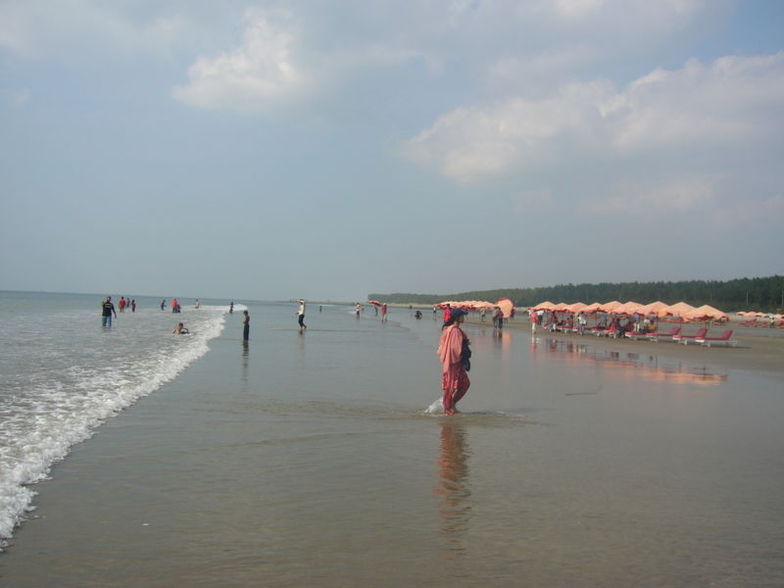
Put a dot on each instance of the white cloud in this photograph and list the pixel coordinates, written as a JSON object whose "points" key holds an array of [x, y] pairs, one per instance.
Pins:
{"points": [[77, 30], [730, 100], [469, 143], [277, 62], [707, 113], [261, 70]]}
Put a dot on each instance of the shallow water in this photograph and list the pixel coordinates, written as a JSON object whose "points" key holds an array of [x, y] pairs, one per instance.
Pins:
{"points": [[310, 459]]}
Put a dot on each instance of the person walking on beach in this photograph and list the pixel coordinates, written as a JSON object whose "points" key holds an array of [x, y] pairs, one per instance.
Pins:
{"points": [[455, 354], [498, 319], [384, 312], [107, 311], [245, 325], [301, 315]]}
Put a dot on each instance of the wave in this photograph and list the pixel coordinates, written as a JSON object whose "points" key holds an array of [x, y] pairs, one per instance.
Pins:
{"points": [[44, 411]]}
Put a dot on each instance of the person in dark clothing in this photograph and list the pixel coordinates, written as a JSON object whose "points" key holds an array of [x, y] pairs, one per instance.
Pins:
{"points": [[245, 325], [107, 311]]}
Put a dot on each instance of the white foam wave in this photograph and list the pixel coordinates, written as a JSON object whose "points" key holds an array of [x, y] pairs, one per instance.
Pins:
{"points": [[48, 411], [437, 407]]}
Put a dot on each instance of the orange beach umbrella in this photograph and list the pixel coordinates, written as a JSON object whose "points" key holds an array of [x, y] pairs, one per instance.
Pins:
{"points": [[704, 312], [506, 306], [680, 309]]}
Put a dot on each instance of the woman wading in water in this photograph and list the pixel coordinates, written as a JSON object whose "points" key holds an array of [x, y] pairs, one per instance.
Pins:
{"points": [[455, 353]]}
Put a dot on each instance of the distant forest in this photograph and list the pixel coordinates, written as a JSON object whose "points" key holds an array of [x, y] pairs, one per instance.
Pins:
{"points": [[759, 294]]}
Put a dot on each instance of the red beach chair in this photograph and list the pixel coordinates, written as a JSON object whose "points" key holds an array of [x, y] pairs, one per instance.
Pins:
{"points": [[724, 339], [667, 335], [700, 334]]}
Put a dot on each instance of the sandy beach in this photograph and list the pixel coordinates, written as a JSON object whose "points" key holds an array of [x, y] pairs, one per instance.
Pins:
{"points": [[311, 460], [758, 348]]}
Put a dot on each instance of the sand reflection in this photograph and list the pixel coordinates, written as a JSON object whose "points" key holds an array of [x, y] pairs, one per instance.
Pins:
{"points": [[453, 488], [636, 365]]}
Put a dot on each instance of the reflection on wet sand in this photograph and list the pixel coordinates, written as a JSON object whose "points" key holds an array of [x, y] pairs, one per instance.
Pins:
{"points": [[453, 488], [636, 365]]}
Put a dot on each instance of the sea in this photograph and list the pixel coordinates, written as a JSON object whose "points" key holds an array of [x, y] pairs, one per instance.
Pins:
{"points": [[131, 456]]}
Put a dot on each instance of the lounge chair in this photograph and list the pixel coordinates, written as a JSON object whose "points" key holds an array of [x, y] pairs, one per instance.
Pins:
{"points": [[700, 334], [666, 335], [611, 331], [724, 339], [635, 335]]}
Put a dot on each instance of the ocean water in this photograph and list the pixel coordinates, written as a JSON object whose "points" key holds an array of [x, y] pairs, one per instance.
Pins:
{"points": [[62, 374], [315, 459]]}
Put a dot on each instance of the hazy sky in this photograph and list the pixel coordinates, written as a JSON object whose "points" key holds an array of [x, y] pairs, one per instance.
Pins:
{"points": [[328, 149]]}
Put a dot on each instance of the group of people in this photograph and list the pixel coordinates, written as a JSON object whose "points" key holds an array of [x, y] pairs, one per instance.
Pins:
{"points": [[453, 350], [176, 306], [246, 319], [126, 303]]}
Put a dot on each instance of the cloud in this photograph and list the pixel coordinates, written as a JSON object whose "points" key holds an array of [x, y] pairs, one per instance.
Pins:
{"points": [[263, 69], [82, 30], [468, 144], [732, 99], [278, 62], [706, 113]]}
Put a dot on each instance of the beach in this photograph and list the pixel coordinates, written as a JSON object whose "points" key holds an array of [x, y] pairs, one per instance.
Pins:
{"points": [[310, 459], [758, 348]]}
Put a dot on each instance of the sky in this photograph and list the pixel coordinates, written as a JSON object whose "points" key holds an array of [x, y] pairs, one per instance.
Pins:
{"points": [[330, 149]]}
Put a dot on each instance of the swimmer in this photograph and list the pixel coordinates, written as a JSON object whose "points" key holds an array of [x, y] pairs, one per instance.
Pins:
{"points": [[181, 329]]}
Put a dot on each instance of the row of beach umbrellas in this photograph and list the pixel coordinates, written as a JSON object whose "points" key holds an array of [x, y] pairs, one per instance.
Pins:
{"points": [[753, 314], [660, 309], [506, 305]]}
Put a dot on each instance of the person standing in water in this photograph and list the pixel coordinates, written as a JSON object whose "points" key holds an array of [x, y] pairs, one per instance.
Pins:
{"points": [[245, 325], [455, 353], [107, 308], [301, 315], [384, 312]]}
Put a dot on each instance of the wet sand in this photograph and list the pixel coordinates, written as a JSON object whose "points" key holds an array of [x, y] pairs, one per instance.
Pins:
{"points": [[758, 349], [308, 460]]}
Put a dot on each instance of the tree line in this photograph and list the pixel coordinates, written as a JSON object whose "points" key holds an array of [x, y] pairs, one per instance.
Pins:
{"points": [[758, 294]]}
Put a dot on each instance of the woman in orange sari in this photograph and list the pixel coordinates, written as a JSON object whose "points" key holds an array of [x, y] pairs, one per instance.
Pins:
{"points": [[454, 353]]}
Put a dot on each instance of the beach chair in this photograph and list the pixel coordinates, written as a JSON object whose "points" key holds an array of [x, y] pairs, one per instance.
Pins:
{"points": [[724, 339], [608, 332], [666, 335], [680, 338], [635, 335]]}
